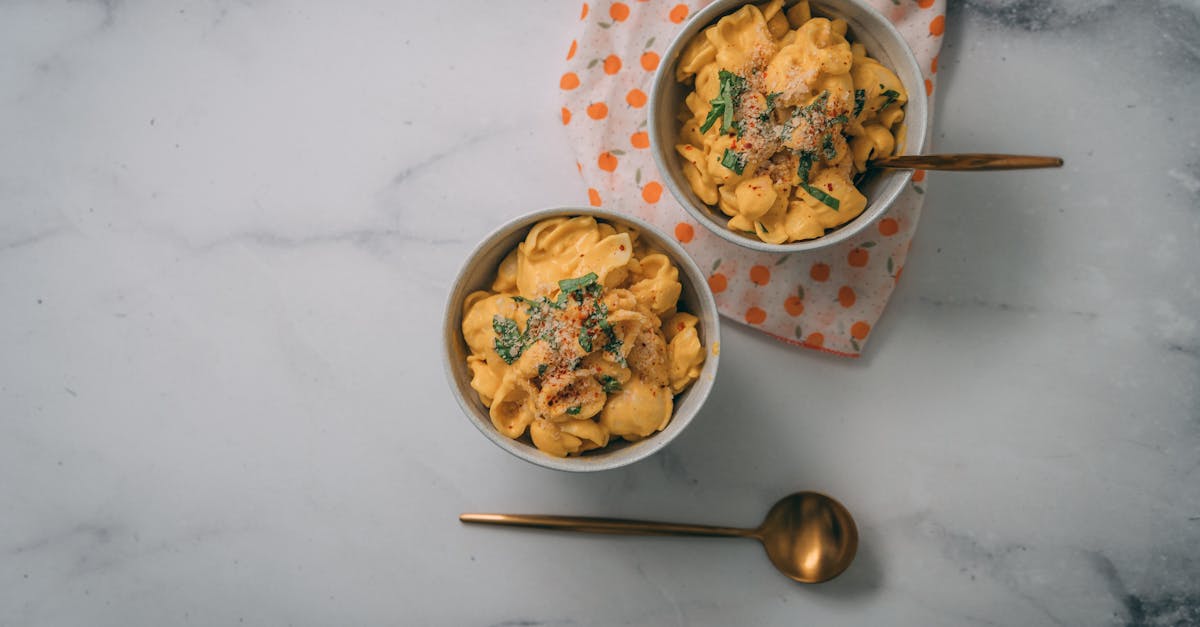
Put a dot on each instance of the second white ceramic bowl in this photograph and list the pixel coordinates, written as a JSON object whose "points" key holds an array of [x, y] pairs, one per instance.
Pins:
{"points": [[883, 42], [479, 271]]}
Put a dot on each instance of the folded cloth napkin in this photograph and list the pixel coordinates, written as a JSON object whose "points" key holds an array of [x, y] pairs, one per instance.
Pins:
{"points": [[826, 300]]}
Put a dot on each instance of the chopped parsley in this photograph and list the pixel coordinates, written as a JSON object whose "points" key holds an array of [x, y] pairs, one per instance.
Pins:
{"points": [[763, 227], [891, 96], [806, 162], [815, 115], [809, 109], [546, 323], [610, 383], [827, 149], [766, 116], [586, 283], [820, 195], [734, 161], [509, 341], [730, 94], [574, 410], [614, 348], [860, 100], [807, 159]]}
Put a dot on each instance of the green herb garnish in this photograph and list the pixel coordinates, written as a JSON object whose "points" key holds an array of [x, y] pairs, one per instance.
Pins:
{"points": [[806, 163], [732, 87], [860, 100], [544, 321], [740, 127], [734, 161], [820, 195], [574, 411], [766, 117], [509, 341], [827, 149], [613, 346], [763, 227], [816, 105], [610, 383], [579, 286], [891, 96]]}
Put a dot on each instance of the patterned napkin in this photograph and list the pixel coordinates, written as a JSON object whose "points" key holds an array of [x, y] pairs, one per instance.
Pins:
{"points": [[826, 300]]}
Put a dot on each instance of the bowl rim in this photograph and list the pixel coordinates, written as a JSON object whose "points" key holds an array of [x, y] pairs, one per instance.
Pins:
{"points": [[707, 312], [666, 71]]}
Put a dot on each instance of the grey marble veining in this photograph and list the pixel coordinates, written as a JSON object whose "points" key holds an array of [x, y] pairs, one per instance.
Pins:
{"points": [[227, 232]]}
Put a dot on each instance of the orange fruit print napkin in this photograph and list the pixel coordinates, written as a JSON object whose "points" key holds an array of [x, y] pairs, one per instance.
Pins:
{"points": [[826, 300]]}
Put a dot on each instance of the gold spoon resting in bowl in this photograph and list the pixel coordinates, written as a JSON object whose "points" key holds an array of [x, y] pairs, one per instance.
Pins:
{"points": [[808, 536], [967, 161]]}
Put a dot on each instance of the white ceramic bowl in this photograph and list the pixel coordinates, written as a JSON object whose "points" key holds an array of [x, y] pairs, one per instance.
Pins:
{"points": [[883, 42], [478, 272]]}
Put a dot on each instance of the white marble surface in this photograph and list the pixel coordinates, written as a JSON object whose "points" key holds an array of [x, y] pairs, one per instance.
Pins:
{"points": [[228, 228]]}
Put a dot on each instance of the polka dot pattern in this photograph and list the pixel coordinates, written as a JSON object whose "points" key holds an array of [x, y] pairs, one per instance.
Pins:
{"points": [[597, 110], [819, 272], [612, 64], [717, 283], [846, 296], [607, 161], [649, 60], [636, 98], [794, 306], [937, 26], [825, 300], [760, 275]]}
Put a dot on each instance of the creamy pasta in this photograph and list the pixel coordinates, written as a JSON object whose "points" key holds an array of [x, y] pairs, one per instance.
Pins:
{"points": [[783, 115], [580, 339]]}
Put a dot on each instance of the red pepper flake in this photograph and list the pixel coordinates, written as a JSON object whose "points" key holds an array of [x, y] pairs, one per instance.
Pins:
{"points": [[829, 186], [622, 247]]}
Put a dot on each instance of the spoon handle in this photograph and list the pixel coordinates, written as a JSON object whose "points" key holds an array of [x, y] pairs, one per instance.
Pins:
{"points": [[968, 161], [605, 525]]}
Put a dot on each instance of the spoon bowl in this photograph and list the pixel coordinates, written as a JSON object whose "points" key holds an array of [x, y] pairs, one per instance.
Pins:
{"points": [[808, 536]]}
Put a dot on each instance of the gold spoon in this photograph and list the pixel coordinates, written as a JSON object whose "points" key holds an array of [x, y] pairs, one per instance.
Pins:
{"points": [[809, 536], [967, 161]]}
